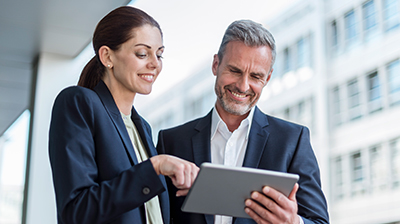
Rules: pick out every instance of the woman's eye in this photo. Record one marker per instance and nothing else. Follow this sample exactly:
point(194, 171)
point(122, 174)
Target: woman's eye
point(159, 56)
point(141, 55)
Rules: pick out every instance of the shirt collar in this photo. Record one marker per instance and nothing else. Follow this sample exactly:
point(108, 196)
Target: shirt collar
point(217, 121)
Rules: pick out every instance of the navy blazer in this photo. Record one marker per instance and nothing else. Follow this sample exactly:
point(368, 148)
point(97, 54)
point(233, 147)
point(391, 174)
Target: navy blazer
point(273, 144)
point(96, 176)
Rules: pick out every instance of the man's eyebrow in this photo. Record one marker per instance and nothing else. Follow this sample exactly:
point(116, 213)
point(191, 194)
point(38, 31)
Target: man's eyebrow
point(234, 68)
point(148, 46)
point(259, 74)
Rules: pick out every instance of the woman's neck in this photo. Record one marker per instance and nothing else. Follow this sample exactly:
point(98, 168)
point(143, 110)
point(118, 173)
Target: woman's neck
point(123, 99)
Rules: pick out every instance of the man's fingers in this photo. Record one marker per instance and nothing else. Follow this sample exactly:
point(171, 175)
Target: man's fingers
point(292, 195)
point(256, 212)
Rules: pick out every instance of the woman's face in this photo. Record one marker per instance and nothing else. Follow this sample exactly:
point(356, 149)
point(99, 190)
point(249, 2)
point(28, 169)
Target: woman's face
point(136, 65)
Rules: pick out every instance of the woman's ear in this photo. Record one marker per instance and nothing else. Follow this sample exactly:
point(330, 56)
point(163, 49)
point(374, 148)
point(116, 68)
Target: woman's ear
point(105, 56)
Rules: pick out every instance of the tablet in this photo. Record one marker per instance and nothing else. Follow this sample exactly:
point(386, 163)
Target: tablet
point(222, 190)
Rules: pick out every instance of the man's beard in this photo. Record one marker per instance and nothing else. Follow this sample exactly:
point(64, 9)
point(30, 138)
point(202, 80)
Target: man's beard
point(233, 106)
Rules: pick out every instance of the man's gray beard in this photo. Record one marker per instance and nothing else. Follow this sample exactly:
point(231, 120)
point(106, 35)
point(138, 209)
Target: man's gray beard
point(233, 110)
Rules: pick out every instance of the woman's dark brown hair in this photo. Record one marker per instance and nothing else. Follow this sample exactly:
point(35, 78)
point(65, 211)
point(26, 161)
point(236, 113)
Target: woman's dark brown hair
point(112, 31)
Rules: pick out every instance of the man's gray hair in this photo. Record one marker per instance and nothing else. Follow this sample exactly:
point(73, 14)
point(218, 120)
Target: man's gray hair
point(252, 34)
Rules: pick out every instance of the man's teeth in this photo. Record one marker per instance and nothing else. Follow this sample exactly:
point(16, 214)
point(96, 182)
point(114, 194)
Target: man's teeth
point(239, 95)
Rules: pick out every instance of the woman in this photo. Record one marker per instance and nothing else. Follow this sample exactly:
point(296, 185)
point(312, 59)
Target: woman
point(104, 164)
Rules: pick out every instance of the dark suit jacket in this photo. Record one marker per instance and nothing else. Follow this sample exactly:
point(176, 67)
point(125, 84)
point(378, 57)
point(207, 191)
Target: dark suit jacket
point(96, 176)
point(273, 144)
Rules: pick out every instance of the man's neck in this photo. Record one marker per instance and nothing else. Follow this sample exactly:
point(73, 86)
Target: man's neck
point(232, 121)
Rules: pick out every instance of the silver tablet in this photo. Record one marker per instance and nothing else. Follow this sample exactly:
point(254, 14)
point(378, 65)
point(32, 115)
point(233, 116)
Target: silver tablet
point(222, 190)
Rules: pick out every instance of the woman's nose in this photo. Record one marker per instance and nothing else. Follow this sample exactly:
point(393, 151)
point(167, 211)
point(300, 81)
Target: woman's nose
point(154, 62)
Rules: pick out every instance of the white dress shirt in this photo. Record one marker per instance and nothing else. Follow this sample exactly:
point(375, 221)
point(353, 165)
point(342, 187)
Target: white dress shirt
point(228, 148)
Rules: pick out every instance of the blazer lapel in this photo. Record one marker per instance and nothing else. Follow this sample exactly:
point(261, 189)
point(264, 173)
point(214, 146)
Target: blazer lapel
point(115, 116)
point(147, 141)
point(258, 137)
point(201, 140)
point(201, 147)
point(144, 135)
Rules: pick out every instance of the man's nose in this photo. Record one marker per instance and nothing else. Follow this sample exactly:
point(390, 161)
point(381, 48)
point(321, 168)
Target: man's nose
point(243, 83)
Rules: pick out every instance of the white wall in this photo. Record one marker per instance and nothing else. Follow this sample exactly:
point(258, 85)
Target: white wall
point(55, 72)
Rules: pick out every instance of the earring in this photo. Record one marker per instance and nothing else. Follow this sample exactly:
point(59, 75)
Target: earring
point(109, 66)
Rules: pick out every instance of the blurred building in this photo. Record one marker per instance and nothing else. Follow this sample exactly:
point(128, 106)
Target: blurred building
point(337, 72)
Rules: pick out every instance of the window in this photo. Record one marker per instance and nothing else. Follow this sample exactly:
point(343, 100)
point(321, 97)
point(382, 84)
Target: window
point(277, 68)
point(303, 53)
point(357, 174)
point(286, 61)
point(369, 17)
point(336, 107)
point(13, 152)
point(378, 168)
point(350, 28)
point(393, 73)
point(339, 185)
point(335, 35)
point(357, 167)
point(374, 93)
point(354, 100)
point(391, 14)
point(395, 162)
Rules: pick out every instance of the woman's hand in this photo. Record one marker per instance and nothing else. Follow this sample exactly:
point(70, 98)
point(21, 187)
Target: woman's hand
point(182, 172)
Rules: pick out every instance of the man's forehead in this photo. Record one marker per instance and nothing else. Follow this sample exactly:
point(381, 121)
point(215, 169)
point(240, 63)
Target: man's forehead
point(238, 55)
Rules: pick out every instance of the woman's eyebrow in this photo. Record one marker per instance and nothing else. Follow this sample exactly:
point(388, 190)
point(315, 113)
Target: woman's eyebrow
point(148, 46)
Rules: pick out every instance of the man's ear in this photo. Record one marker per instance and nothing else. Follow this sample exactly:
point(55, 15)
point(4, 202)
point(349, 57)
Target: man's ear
point(269, 76)
point(215, 64)
point(105, 56)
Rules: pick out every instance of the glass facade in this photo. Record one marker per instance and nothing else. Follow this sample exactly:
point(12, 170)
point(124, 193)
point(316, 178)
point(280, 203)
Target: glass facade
point(13, 151)
point(370, 23)
point(391, 14)
point(350, 28)
point(393, 71)
point(374, 93)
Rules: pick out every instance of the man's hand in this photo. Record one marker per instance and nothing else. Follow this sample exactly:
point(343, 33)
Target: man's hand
point(277, 207)
point(182, 172)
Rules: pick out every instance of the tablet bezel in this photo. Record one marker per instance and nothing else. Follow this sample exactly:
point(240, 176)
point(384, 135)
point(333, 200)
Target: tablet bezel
point(222, 190)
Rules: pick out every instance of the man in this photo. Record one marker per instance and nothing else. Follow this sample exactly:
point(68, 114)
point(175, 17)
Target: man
point(237, 133)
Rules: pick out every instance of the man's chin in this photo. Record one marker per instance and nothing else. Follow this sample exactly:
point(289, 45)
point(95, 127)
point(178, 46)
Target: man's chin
point(239, 111)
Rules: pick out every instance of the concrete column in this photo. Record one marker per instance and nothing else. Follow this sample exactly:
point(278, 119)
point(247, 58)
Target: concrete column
point(54, 73)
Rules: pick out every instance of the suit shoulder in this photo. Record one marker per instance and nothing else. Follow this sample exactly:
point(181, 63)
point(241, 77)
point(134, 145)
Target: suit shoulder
point(284, 124)
point(75, 93)
point(76, 97)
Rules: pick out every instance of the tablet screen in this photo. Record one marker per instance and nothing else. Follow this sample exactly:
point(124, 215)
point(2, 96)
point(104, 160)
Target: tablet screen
point(222, 190)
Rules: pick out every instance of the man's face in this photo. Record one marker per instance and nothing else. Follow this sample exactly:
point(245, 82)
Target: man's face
point(241, 76)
